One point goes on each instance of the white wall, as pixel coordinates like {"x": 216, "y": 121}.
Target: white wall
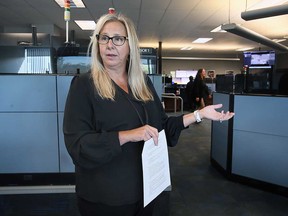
{"x": 219, "y": 66}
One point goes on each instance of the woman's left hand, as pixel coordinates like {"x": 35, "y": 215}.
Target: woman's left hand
{"x": 209, "y": 112}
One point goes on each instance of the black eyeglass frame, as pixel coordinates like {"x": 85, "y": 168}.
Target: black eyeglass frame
{"x": 112, "y": 39}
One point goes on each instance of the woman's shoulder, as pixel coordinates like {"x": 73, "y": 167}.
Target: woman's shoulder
{"x": 83, "y": 80}
{"x": 83, "y": 77}
{"x": 148, "y": 79}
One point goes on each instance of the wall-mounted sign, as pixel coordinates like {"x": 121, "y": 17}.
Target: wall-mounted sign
{"x": 147, "y": 51}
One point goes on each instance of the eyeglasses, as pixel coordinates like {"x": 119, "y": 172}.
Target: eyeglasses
{"x": 116, "y": 40}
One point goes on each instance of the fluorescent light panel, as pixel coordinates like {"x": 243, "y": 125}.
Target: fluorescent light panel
{"x": 187, "y": 48}
{"x": 218, "y": 29}
{"x": 202, "y": 40}
{"x": 73, "y": 3}
{"x": 279, "y": 40}
{"x": 86, "y": 24}
{"x": 245, "y": 49}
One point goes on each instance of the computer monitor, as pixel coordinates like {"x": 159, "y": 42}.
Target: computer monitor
{"x": 259, "y": 58}
{"x": 259, "y": 79}
{"x": 185, "y": 73}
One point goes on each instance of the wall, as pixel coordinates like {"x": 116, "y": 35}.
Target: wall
{"x": 219, "y": 66}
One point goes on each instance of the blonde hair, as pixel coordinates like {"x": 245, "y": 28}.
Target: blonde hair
{"x": 136, "y": 78}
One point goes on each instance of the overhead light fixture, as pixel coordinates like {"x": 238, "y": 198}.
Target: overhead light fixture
{"x": 250, "y": 35}
{"x": 86, "y": 24}
{"x": 266, "y": 3}
{"x": 279, "y": 40}
{"x": 218, "y": 29}
{"x": 73, "y": 3}
{"x": 202, "y": 40}
{"x": 245, "y": 49}
{"x": 265, "y": 12}
{"x": 187, "y": 48}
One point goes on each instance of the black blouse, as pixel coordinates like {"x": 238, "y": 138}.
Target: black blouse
{"x": 105, "y": 171}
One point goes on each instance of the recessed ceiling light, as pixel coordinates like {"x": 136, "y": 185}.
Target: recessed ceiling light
{"x": 245, "y": 49}
{"x": 279, "y": 40}
{"x": 187, "y": 48}
{"x": 202, "y": 40}
{"x": 86, "y": 24}
{"x": 218, "y": 29}
{"x": 73, "y": 3}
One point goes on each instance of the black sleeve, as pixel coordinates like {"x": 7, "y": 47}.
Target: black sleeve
{"x": 172, "y": 125}
{"x": 88, "y": 146}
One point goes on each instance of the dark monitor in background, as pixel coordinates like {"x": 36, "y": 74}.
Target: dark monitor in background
{"x": 259, "y": 58}
{"x": 259, "y": 79}
{"x": 167, "y": 79}
{"x": 229, "y": 83}
{"x": 239, "y": 83}
{"x": 224, "y": 83}
{"x": 68, "y": 51}
{"x": 283, "y": 84}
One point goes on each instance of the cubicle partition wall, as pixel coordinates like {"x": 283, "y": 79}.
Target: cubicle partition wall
{"x": 253, "y": 146}
{"x": 63, "y": 84}
{"x": 260, "y": 138}
{"x": 220, "y": 134}
{"x": 32, "y": 149}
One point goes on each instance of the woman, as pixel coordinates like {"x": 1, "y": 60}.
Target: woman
{"x": 200, "y": 89}
{"x": 109, "y": 114}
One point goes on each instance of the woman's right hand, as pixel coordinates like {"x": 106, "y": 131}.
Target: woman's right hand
{"x": 144, "y": 133}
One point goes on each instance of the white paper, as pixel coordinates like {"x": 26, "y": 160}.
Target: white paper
{"x": 156, "y": 171}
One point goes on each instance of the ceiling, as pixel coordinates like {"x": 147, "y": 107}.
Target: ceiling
{"x": 176, "y": 23}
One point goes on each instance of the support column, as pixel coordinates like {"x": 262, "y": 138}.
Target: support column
{"x": 160, "y": 58}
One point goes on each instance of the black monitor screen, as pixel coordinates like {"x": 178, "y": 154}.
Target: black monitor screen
{"x": 224, "y": 83}
{"x": 259, "y": 79}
